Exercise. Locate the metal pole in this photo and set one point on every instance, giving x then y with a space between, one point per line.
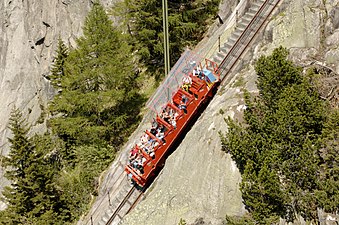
236 16
219 42
109 199
166 36
167 40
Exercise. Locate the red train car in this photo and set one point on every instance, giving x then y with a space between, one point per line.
171 120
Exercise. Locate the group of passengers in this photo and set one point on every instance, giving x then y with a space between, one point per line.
136 158
158 130
170 116
187 80
198 72
149 144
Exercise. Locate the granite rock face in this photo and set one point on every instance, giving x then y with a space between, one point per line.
28 38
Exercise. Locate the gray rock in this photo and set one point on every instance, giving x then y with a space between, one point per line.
334 15
29 32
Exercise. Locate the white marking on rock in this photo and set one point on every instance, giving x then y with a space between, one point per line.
241 107
233 166
211 126
230 114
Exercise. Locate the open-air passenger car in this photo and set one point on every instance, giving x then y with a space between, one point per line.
175 105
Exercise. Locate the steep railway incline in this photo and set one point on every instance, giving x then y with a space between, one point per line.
245 32
112 208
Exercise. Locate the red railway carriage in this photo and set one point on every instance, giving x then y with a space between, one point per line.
171 118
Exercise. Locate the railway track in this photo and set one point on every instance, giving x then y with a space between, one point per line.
125 206
247 29
227 58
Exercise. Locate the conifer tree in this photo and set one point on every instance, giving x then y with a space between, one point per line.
57 70
32 193
328 193
276 73
262 193
277 151
188 20
20 146
19 194
100 97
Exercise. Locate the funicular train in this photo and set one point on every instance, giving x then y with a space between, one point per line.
177 102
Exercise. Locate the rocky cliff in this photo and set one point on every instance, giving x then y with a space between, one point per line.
28 34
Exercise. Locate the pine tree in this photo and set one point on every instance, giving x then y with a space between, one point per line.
19 194
32 193
188 20
277 150
100 97
20 146
57 70
328 193
275 73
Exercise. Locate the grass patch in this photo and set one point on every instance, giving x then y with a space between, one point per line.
240 82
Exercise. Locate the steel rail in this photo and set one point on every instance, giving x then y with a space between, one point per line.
103 199
243 33
134 203
123 202
238 43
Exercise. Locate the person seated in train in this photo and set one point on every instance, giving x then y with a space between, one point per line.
149 145
153 130
160 129
152 148
150 140
154 145
174 123
182 104
154 127
171 112
135 163
139 162
174 120
160 136
146 148
202 76
166 116
133 154
186 83
197 71
141 145
143 160
175 116
144 139
140 168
